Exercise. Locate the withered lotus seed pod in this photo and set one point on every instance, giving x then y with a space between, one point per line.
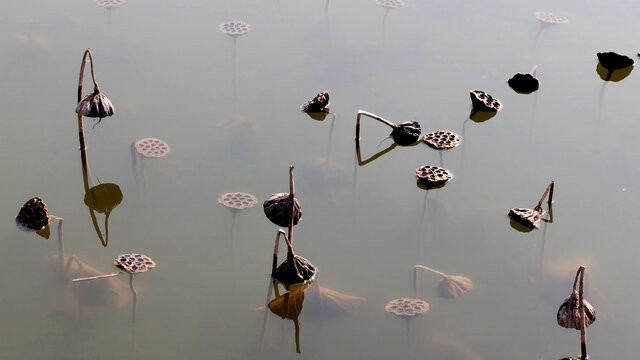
277 209
481 101
295 270
569 316
95 105
33 216
406 133
320 103
614 61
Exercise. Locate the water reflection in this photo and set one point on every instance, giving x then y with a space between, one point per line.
34 216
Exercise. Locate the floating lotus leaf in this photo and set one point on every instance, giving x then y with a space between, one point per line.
549 18
295 270
442 139
482 101
152 147
453 286
95 105
134 263
568 315
320 103
277 209
526 217
407 307
235 28
432 175
237 200
390 4
109 3
524 83
33 215
103 198
406 133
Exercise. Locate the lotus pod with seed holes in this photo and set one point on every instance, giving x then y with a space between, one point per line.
569 316
134 263
277 209
441 139
482 101
527 217
406 133
33 215
235 28
95 105
320 103
549 18
407 307
152 147
390 4
237 200
432 175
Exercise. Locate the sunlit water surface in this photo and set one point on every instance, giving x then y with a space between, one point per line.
234 125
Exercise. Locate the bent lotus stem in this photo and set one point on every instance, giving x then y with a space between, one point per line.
415 276
548 191
274 264
97 277
85 181
533 70
96 89
374 116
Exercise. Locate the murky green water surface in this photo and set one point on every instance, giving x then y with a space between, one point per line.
233 124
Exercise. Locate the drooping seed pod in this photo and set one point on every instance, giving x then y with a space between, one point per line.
406 133
33 215
277 206
320 103
295 270
569 316
95 105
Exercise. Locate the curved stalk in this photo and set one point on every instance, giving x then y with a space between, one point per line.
95 90
274 264
415 276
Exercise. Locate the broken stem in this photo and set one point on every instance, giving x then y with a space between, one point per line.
415 276
533 70
97 277
548 191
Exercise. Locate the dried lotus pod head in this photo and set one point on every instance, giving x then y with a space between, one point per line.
407 307
295 270
390 4
549 18
95 105
277 209
482 101
237 200
406 133
453 286
33 215
524 83
527 217
134 263
442 139
320 103
109 3
614 61
569 316
432 175
152 147
235 28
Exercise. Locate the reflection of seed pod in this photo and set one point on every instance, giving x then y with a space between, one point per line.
569 315
277 206
295 270
432 175
406 307
482 101
406 133
33 216
526 217
134 263
319 103
95 105
441 139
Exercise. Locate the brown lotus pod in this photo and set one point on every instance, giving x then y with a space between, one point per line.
134 263
524 83
569 316
390 4
442 139
152 147
614 61
95 105
235 28
453 286
406 133
432 175
33 215
295 270
527 217
320 103
549 18
277 209
236 201
482 101
407 307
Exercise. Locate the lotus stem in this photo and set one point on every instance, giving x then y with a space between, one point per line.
533 70
415 276
98 277
292 198
548 191
274 264
95 89
583 325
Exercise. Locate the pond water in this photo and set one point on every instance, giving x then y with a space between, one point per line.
230 112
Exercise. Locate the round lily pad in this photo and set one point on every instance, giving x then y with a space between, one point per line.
134 263
407 307
441 139
235 28
237 200
152 147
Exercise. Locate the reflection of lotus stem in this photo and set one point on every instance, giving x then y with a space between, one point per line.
135 301
266 311
85 180
97 277
415 276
